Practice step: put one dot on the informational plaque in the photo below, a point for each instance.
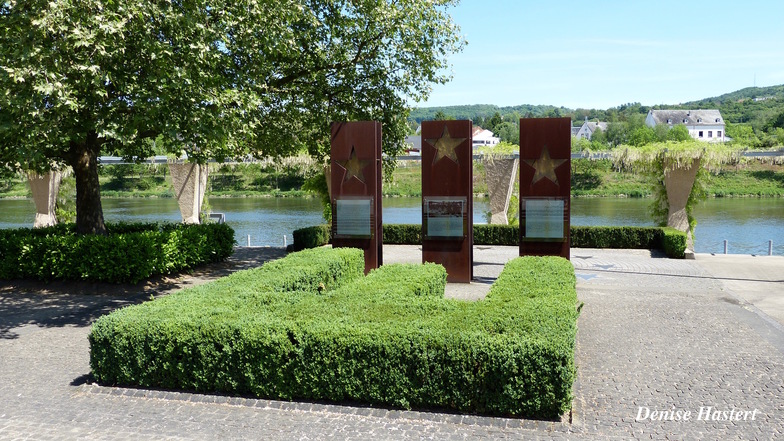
(353, 218)
(447, 192)
(543, 219)
(545, 186)
(355, 188)
(445, 217)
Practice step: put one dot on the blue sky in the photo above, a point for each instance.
(601, 54)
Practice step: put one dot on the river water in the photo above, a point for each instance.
(748, 224)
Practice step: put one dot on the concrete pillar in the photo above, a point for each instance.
(678, 182)
(44, 188)
(501, 173)
(190, 183)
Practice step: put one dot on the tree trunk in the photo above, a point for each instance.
(84, 160)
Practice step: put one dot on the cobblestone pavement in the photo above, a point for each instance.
(654, 335)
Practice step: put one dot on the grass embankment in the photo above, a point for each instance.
(154, 180)
(762, 180)
(750, 178)
(600, 179)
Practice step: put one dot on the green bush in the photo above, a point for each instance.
(402, 234)
(673, 242)
(129, 253)
(389, 338)
(616, 237)
(496, 234)
(311, 237)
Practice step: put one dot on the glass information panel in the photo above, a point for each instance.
(444, 217)
(353, 218)
(544, 219)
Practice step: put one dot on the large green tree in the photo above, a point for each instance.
(215, 78)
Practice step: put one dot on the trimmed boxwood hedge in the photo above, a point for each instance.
(672, 241)
(129, 253)
(389, 338)
(311, 237)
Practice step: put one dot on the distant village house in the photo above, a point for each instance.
(588, 128)
(482, 137)
(413, 145)
(703, 125)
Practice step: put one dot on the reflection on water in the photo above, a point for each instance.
(748, 224)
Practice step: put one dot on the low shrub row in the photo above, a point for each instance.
(129, 253)
(402, 234)
(616, 237)
(389, 338)
(311, 237)
(672, 241)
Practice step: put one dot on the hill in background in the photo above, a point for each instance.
(760, 107)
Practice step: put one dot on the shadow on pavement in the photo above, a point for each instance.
(76, 303)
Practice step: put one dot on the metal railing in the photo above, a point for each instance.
(727, 247)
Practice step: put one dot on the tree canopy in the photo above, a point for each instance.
(213, 78)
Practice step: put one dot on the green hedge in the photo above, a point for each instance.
(311, 237)
(672, 241)
(389, 338)
(496, 235)
(129, 253)
(616, 237)
(402, 234)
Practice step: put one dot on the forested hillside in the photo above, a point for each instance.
(755, 116)
(483, 111)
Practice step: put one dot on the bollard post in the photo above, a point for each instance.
(284, 241)
(725, 246)
(249, 240)
(770, 247)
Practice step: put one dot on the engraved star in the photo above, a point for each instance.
(354, 166)
(545, 167)
(445, 146)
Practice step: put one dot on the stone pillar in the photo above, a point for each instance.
(501, 173)
(44, 189)
(190, 183)
(678, 181)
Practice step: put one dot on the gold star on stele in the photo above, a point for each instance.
(545, 167)
(445, 146)
(354, 166)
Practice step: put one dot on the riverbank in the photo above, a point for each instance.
(589, 179)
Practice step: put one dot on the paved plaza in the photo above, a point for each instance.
(699, 342)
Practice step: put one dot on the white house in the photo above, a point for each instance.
(588, 128)
(414, 145)
(703, 125)
(482, 137)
